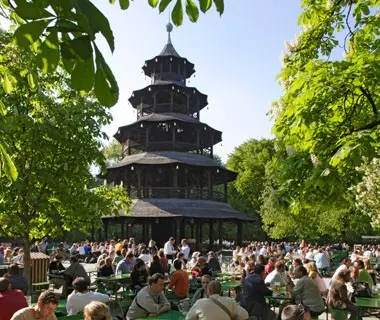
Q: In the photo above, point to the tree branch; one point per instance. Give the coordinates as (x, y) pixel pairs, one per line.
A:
(367, 94)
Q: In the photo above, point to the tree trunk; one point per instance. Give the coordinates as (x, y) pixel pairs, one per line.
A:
(27, 262)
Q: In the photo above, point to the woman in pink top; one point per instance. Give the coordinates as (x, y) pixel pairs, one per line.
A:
(314, 274)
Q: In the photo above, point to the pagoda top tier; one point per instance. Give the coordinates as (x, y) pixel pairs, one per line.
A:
(169, 66)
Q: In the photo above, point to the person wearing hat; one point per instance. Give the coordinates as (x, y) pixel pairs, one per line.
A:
(213, 263)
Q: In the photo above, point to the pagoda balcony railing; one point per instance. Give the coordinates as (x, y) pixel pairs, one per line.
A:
(183, 193)
(165, 77)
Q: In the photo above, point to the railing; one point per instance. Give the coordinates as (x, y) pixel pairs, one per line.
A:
(168, 76)
(183, 193)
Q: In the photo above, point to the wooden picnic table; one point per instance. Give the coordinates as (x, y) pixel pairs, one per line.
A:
(170, 315)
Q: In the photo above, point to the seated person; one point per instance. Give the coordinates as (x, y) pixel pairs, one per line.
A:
(202, 292)
(254, 292)
(295, 312)
(75, 270)
(56, 266)
(17, 280)
(80, 297)
(11, 300)
(275, 276)
(314, 274)
(214, 264)
(96, 310)
(269, 267)
(337, 297)
(201, 268)
(150, 300)
(118, 258)
(145, 255)
(180, 256)
(139, 275)
(44, 309)
(307, 292)
(179, 280)
(106, 270)
(216, 306)
(364, 275)
(155, 266)
(126, 265)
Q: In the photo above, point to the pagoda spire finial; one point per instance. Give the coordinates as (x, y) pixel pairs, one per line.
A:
(169, 28)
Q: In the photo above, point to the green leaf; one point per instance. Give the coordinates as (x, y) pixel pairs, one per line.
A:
(3, 109)
(28, 33)
(205, 5)
(112, 1)
(163, 5)
(365, 9)
(32, 80)
(97, 21)
(82, 76)
(177, 13)
(79, 47)
(124, 4)
(153, 3)
(106, 88)
(7, 164)
(29, 11)
(7, 84)
(192, 10)
(219, 4)
(49, 56)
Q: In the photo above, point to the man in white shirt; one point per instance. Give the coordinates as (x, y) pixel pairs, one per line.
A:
(169, 250)
(81, 297)
(185, 249)
(263, 251)
(276, 275)
(367, 253)
(216, 306)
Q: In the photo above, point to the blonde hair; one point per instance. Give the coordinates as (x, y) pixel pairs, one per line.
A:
(96, 310)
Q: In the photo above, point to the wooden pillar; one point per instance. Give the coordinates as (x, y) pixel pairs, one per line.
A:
(192, 230)
(188, 103)
(210, 184)
(144, 232)
(129, 229)
(178, 230)
(122, 230)
(211, 234)
(212, 146)
(154, 101)
(139, 178)
(175, 182)
(147, 131)
(200, 185)
(220, 233)
(171, 101)
(198, 109)
(105, 224)
(149, 230)
(173, 136)
(197, 235)
(99, 235)
(198, 140)
(239, 236)
(201, 231)
(226, 191)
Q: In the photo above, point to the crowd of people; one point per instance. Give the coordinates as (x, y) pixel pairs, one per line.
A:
(298, 268)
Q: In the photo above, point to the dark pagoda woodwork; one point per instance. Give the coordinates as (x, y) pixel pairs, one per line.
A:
(167, 163)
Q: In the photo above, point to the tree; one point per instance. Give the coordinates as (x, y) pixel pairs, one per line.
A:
(64, 31)
(53, 135)
(249, 161)
(328, 111)
(112, 152)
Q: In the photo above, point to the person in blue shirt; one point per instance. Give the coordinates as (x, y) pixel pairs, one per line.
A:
(322, 261)
(126, 265)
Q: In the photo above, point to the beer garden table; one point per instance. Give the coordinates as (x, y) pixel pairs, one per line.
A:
(170, 315)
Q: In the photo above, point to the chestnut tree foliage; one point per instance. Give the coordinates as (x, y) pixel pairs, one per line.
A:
(327, 120)
(53, 137)
(65, 31)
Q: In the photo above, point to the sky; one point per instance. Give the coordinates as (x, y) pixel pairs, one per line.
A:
(236, 57)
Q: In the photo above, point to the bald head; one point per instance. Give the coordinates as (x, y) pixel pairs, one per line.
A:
(214, 287)
(5, 285)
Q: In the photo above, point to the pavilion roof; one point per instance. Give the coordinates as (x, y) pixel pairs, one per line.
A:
(175, 207)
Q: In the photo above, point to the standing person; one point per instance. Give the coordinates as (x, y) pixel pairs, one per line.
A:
(152, 247)
(185, 249)
(11, 300)
(169, 249)
(150, 300)
(76, 270)
(216, 306)
(254, 293)
(322, 261)
(44, 309)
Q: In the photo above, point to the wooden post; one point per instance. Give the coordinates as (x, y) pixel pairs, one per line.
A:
(178, 230)
(144, 231)
(211, 234)
(201, 231)
(175, 182)
(188, 103)
(239, 236)
(154, 101)
(147, 130)
(138, 183)
(173, 136)
(129, 229)
(105, 224)
(226, 191)
(122, 229)
(197, 235)
(150, 230)
(220, 233)
(210, 184)
(198, 107)
(171, 101)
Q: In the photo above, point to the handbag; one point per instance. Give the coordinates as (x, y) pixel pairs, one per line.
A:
(223, 307)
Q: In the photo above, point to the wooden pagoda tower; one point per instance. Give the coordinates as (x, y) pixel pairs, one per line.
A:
(167, 163)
